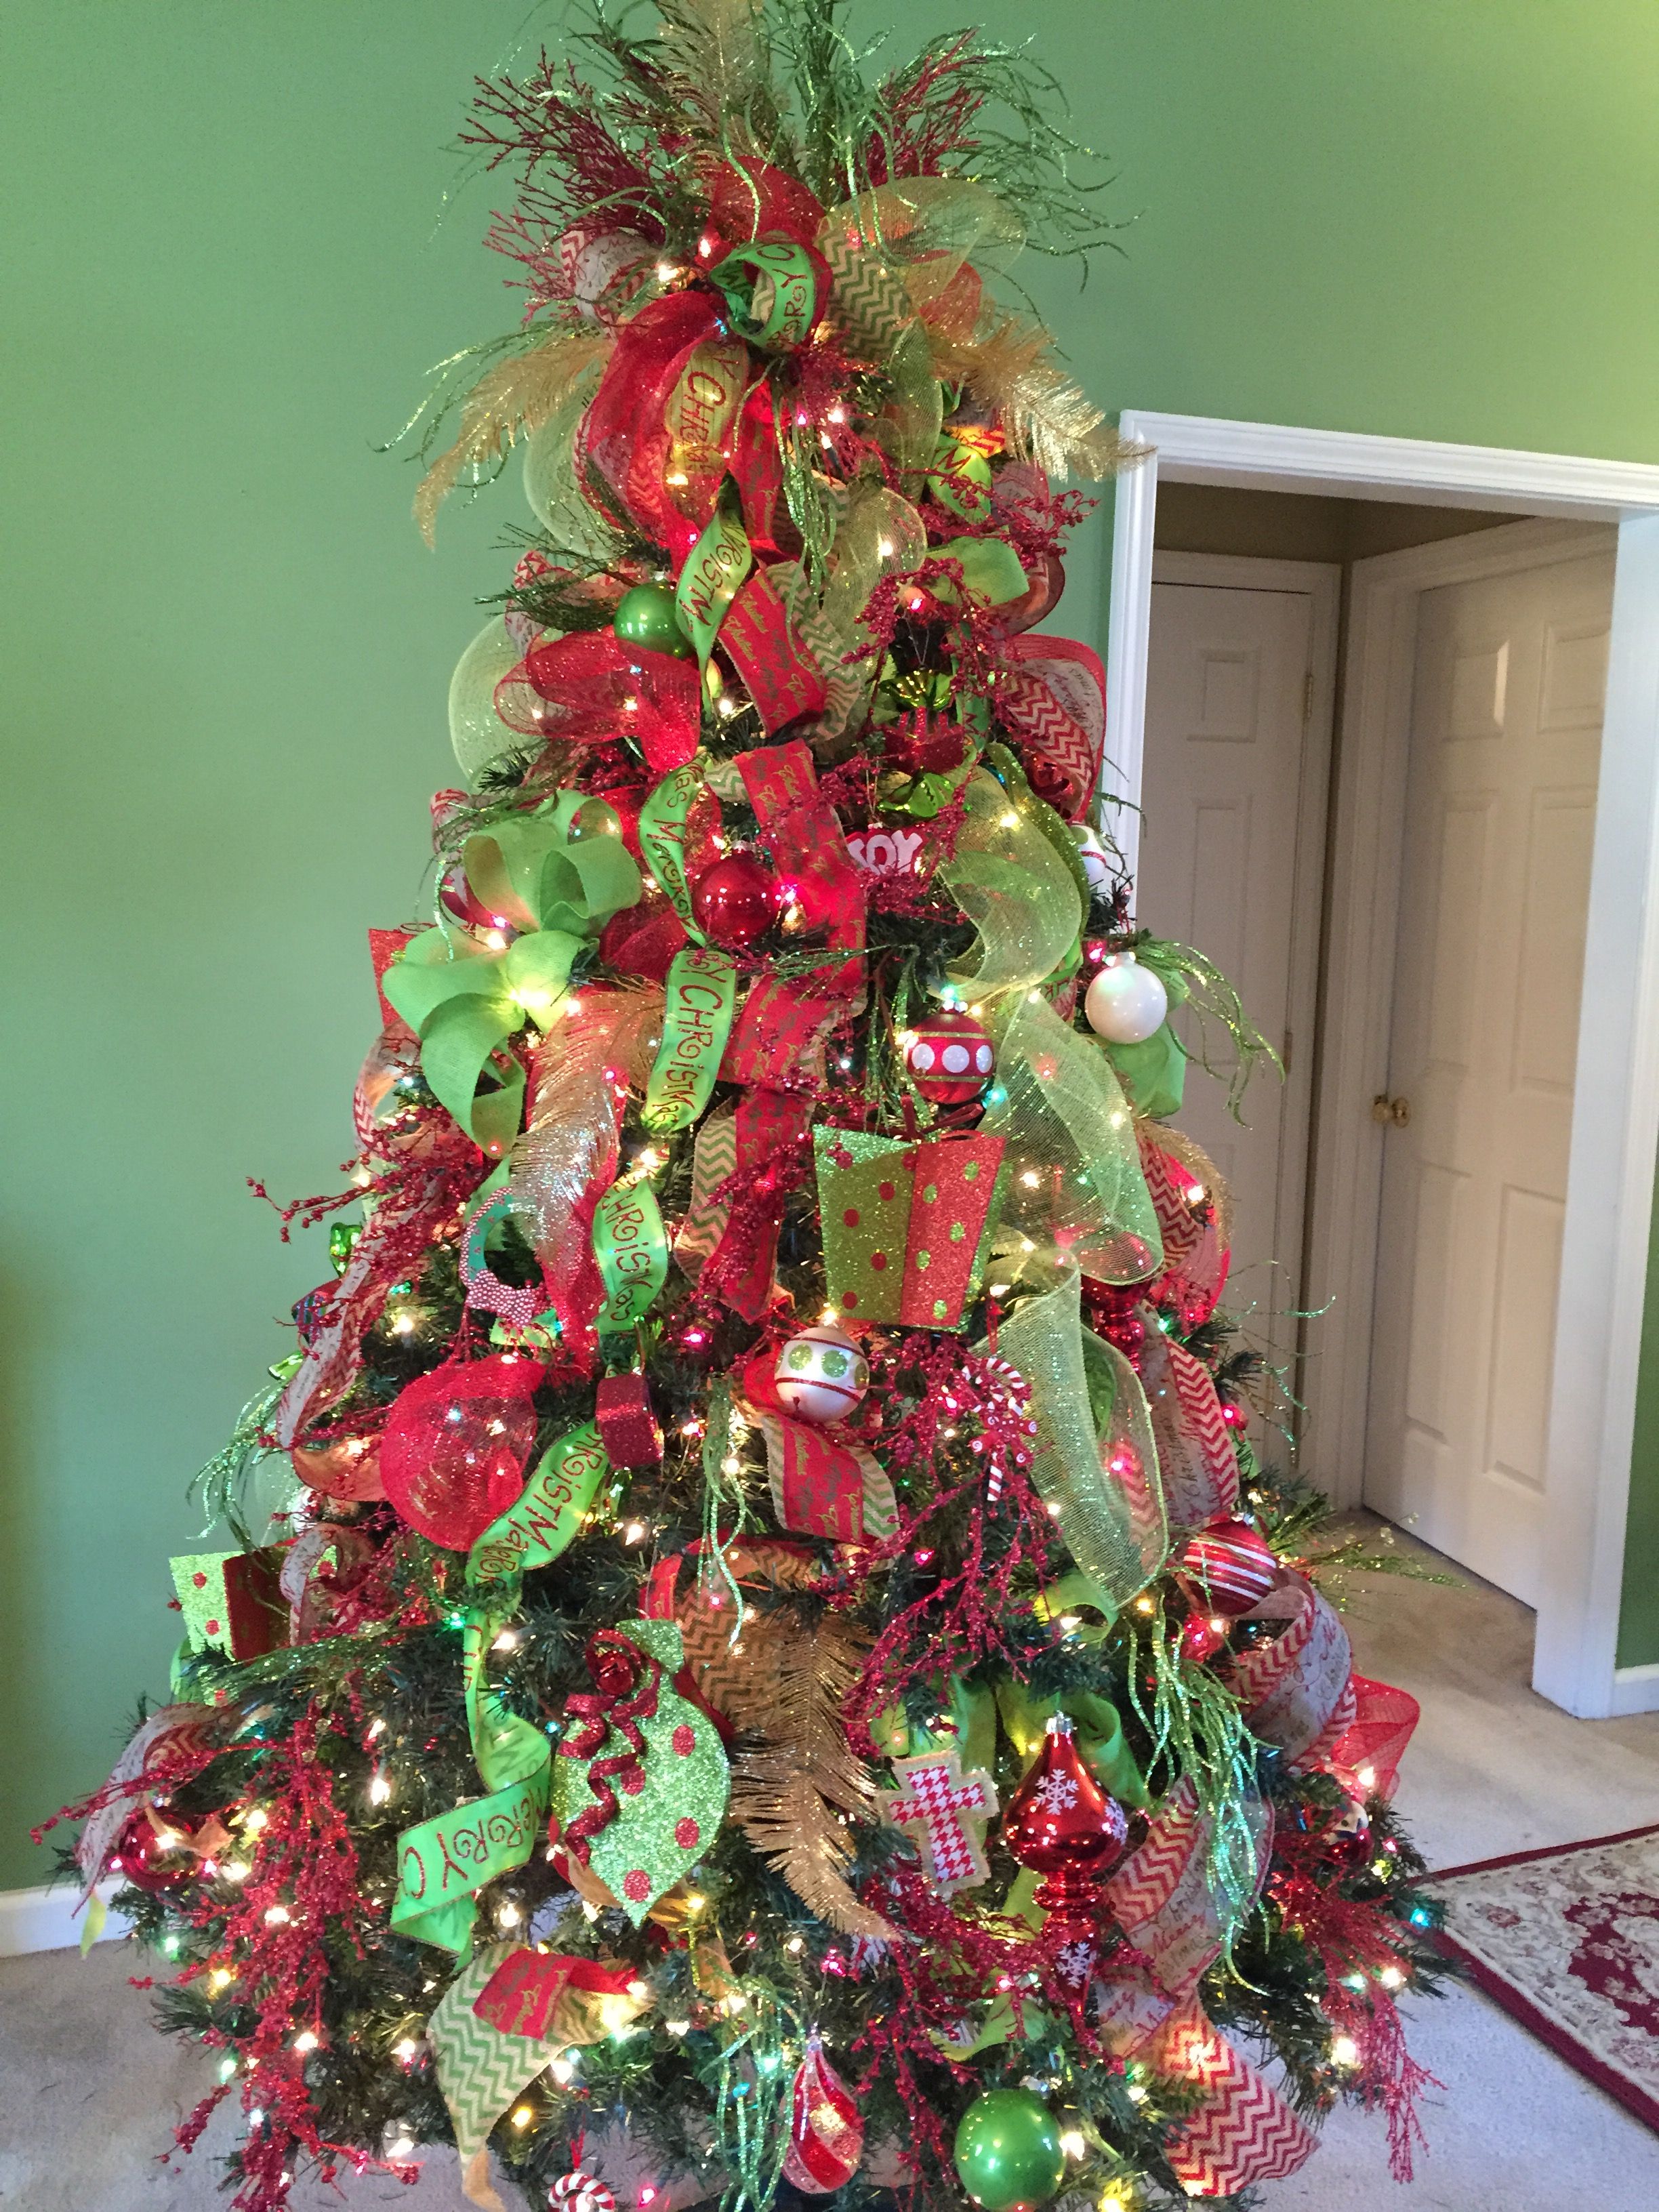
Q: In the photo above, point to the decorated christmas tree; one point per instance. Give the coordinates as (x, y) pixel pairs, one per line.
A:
(777, 1671)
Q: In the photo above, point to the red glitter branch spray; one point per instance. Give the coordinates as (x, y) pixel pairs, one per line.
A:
(302, 1897)
(964, 1403)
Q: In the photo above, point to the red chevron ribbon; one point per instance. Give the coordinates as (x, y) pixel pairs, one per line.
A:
(1195, 1258)
(1053, 696)
(1195, 1454)
(1297, 1691)
(1244, 2131)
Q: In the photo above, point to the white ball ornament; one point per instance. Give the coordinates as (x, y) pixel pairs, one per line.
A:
(821, 1374)
(1092, 853)
(1126, 1003)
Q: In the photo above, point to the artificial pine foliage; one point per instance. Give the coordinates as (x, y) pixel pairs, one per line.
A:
(773, 1403)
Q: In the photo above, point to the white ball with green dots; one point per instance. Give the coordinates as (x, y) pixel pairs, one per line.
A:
(821, 1374)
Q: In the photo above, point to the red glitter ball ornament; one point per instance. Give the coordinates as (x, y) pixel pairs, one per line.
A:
(1227, 1568)
(949, 1057)
(454, 1449)
(736, 901)
(155, 1854)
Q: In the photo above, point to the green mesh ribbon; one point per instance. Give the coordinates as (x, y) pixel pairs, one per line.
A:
(1074, 1191)
(1015, 889)
(1102, 1488)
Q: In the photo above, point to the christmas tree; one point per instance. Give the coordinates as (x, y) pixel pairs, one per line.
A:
(779, 1672)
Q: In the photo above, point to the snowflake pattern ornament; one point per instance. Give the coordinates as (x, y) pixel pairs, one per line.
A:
(945, 1812)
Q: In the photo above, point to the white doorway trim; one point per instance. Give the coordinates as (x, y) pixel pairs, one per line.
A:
(1616, 1126)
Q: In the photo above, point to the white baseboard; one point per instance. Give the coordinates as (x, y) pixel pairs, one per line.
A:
(1635, 1690)
(45, 1920)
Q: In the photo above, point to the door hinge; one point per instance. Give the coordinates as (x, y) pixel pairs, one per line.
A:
(1285, 1056)
(1394, 1111)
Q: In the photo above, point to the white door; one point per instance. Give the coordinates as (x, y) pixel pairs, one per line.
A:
(1507, 725)
(1233, 786)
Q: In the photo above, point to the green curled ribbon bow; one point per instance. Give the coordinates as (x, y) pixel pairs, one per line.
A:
(771, 291)
(465, 998)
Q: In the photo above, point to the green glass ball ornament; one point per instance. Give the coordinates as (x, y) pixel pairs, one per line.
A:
(1008, 2153)
(648, 619)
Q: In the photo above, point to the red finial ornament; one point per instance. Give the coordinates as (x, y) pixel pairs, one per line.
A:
(1061, 1823)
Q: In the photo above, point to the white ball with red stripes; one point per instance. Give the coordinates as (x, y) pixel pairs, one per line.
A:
(1227, 1568)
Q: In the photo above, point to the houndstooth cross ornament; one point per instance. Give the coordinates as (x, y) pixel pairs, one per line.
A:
(945, 1812)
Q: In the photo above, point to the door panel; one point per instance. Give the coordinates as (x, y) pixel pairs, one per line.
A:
(1227, 697)
(1506, 729)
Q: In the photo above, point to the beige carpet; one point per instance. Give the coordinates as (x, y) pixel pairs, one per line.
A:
(88, 2093)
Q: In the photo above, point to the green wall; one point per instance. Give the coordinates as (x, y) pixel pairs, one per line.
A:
(228, 259)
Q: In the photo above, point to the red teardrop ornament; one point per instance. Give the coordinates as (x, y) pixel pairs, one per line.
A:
(826, 2128)
(453, 1450)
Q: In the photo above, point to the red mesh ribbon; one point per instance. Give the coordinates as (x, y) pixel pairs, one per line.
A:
(626, 1680)
(1367, 1755)
(1053, 698)
(625, 433)
(589, 687)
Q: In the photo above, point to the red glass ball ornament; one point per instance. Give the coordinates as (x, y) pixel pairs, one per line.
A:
(949, 1057)
(826, 2128)
(1227, 1568)
(153, 1855)
(1202, 1636)
(454, 1449)
(736, 901)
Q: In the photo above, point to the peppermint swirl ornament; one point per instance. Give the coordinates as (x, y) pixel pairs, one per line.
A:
(580, 2191)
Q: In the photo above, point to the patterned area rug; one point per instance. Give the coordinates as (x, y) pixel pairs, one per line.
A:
(1567, 1941)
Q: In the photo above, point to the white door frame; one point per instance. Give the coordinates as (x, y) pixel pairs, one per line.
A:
(1320, 583)
(1615, 1122)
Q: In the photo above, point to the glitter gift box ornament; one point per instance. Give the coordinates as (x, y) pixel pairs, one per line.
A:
(905, 1225)
(230, 1602)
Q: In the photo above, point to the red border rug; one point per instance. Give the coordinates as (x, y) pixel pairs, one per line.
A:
(1566, 1939)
